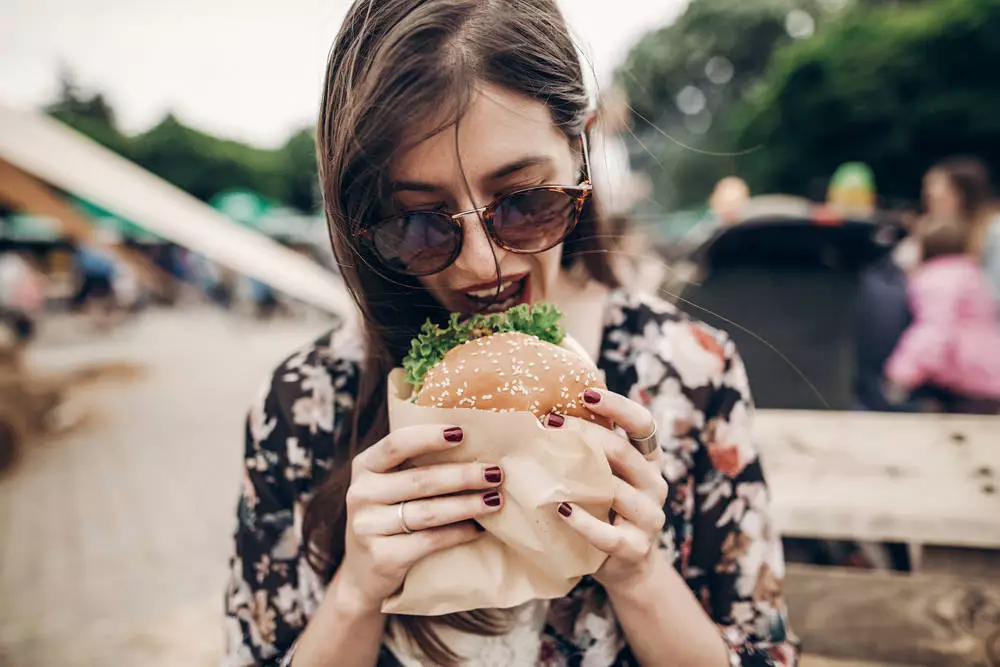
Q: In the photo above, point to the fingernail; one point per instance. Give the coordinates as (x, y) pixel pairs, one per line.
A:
(453, 434)
(554, 420)
(492, 499)
(565, 509)
(591, 396)
(493, 474)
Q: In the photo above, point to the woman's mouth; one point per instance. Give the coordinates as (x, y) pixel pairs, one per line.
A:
(513, 291)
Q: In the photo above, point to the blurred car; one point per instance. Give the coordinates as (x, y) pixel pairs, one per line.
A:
(784, 284)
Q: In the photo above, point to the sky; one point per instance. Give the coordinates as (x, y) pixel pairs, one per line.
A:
(249, 70)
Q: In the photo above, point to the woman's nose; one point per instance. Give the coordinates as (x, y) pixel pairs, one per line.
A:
(478, 249)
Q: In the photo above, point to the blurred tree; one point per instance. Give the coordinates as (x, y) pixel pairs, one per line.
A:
(203, 165)
(90, 114)
(683, 80)
(196, 162)
(897, 88)
(297, 159)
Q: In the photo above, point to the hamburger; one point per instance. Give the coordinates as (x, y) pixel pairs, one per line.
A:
(520, 360)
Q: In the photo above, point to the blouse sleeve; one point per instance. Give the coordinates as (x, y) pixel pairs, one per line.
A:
(272, 591)
(736, 562)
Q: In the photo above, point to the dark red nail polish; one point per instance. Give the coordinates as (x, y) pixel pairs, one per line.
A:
(453, 434)
(493, 474)
(592, 397)
(565, 509)
(492, 499)
(554, 420)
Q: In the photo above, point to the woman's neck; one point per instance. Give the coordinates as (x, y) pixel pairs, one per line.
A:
(582, 303)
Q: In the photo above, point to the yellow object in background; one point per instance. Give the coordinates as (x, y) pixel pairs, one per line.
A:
(852, 189)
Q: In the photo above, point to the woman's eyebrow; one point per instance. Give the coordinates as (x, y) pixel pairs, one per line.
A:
(518, 165)
(415, 186)
(497, 174)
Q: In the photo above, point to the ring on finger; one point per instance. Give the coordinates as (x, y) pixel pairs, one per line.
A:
(648, 444)
(402, 519)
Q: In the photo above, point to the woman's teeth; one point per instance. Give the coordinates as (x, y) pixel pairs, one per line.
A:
(489, 293)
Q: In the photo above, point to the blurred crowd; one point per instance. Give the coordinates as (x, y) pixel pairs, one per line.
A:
(107, 281)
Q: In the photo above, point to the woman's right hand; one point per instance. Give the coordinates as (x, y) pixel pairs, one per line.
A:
(439, 508)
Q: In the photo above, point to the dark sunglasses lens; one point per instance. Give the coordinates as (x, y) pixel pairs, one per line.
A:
(535, 220)
(417, 243)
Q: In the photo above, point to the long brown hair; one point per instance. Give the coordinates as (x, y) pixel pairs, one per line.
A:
(970, 178)
(397, 64)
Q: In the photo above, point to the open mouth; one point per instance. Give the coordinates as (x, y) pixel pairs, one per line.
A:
(512, 292)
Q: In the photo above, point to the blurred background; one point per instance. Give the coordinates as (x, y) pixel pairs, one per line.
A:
(787, 170)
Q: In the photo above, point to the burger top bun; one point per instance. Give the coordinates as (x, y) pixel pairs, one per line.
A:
(512, 371)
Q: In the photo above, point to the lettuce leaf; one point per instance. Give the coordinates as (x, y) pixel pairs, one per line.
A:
(428, 348)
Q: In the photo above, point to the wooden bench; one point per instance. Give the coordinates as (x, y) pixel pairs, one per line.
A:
(914, 478)
(887, 618)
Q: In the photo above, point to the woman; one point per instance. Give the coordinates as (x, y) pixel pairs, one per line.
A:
(958, 189)
(440, 121)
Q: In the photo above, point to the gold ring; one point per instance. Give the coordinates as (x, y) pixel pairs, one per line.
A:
(402, 520)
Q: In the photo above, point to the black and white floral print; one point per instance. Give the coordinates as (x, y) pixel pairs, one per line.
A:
(719, 534)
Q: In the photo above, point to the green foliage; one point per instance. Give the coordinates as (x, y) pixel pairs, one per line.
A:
(434, 342)
(895, 87)
(709, 35)
(198, 163)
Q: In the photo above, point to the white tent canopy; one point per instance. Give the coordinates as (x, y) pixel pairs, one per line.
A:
(66, 159)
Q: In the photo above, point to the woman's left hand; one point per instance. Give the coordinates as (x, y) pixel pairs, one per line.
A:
(631, 539)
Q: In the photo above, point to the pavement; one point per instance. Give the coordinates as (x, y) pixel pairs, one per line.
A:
(115, 535)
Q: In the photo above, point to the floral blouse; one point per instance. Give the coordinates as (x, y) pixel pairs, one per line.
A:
(719, 534)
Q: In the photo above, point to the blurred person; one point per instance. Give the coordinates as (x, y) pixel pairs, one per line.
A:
(468, 119)
(22, 295)
(727, 200)
(958, 189)
(97, 271)
(991, 246)
(265, 301)
(953, 345)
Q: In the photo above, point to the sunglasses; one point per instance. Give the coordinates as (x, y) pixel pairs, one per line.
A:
(528, 221)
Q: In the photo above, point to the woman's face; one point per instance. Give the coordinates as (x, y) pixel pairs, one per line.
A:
(504, 142)
(941, 198)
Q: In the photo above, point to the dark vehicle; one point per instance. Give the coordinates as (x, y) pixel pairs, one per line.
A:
(786, 288)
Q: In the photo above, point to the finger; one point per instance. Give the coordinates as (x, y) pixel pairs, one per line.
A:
(637, 507)
(426, 514)
(396, 448)
(404, 550)
(426, 482)
(634, 418)
(625, 540)
(630, 465)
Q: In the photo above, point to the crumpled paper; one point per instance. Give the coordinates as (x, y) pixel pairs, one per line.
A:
(527, 551)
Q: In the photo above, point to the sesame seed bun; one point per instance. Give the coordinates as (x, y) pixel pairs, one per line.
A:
(508, 372)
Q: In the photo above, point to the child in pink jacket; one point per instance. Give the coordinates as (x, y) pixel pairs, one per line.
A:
(953, 345)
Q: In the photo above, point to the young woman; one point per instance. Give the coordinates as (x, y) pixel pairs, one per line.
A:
(958, 189)
(453, 162)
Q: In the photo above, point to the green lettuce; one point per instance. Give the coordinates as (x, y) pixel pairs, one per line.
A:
(427, 349)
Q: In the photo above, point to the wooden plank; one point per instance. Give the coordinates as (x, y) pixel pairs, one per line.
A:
(932, 479)
(880, 617)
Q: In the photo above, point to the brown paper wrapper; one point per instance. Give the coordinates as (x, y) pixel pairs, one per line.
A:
(527, 551)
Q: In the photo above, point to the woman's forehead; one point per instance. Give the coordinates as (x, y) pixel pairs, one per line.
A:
(498, 128)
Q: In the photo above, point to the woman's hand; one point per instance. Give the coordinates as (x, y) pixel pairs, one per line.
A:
(397, 516)
(631, 539)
